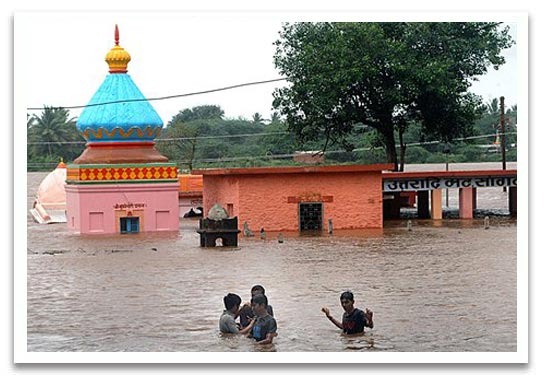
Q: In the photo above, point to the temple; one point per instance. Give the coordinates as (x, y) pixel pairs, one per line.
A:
(121, 183)
(50, 203)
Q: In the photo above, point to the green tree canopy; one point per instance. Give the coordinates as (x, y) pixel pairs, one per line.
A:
(203, 112)
(53, 135)
(383, 75)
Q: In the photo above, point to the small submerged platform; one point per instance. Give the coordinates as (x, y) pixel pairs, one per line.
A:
(217, 228)
(212, 230)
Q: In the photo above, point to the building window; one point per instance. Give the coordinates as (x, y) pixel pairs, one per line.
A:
(310, 216)
(130, 224)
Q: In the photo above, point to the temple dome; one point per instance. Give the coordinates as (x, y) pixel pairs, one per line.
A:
(50, 203)
(118, 111)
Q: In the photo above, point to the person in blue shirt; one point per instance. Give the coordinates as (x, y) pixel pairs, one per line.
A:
(246, 312)
(264, 327)
(353, 320)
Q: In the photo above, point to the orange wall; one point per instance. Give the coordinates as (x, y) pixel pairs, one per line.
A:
(262, 200)
(223, 190)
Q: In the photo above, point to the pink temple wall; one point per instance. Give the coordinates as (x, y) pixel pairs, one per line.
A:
(270, 200)
(97, 208)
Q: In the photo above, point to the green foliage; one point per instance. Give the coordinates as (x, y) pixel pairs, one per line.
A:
(217, 142)
(384, 75)
(51, 136)
(417, 154)
(203, 112)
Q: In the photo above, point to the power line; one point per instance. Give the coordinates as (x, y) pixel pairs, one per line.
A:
(177, 139)
(290, 155)
(267, 134)
(165, 97)
(283, 156)
(219, 136)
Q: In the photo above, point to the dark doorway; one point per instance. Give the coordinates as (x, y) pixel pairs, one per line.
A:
(130, 224)
(311, 216)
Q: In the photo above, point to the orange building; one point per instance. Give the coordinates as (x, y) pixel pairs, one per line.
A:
(298, 198)
(190, 193)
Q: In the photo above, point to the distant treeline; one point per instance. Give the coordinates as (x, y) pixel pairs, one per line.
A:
(201, 137)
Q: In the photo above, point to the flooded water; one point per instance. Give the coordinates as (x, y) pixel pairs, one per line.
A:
(444, 286)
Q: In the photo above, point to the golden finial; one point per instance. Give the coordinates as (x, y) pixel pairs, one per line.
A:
(116, 35)
(117, 58)
(61, 163)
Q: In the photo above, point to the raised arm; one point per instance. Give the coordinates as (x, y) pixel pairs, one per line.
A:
(327, 313)
(369, 318)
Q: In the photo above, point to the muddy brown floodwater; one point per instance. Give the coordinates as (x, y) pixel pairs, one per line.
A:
(444, 286)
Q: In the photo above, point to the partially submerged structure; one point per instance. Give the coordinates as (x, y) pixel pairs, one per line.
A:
(50, 203)
(121, 183)
(218, 228)
(298, 198)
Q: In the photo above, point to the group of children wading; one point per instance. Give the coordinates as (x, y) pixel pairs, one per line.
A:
(256, 319)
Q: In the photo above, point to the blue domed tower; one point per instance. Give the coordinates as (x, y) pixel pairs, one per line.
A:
(119, 124)
(121, 183)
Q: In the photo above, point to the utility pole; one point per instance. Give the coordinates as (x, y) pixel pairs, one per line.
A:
(447, 151)
(503, 135)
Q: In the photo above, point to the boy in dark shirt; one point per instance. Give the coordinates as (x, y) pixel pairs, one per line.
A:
(353, 320)
(264, 328)
(246, 312)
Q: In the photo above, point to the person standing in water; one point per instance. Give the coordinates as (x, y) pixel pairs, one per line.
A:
(265, 327)
(353, 320)
(246, 312)
(226, 322)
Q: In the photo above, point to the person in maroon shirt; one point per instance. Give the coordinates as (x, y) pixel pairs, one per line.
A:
(353, 320)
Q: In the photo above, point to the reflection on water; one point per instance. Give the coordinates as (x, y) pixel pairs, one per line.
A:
(444, 286)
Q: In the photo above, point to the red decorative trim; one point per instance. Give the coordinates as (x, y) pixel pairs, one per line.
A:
(121, 173)
(120, 144)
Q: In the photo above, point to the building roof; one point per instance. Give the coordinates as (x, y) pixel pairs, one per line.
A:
(449, 174)
(303, 169)
(130, 118)
(51, 190)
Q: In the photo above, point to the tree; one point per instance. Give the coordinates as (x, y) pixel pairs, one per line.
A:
(383, 75)
(203, 112)
(275, 117)
(492, 108)
(257, 118)
(179, 143)
(52, 134)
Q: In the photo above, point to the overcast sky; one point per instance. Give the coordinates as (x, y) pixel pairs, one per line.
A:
(59, 58)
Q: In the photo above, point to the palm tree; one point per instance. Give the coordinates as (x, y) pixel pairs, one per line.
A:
(275, 117)
(257, 118)
(493, 107)
(49, 132)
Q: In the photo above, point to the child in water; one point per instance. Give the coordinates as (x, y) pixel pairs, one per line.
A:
(353, 320)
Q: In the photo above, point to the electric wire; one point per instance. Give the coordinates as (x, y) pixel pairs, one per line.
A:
(164, 97)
